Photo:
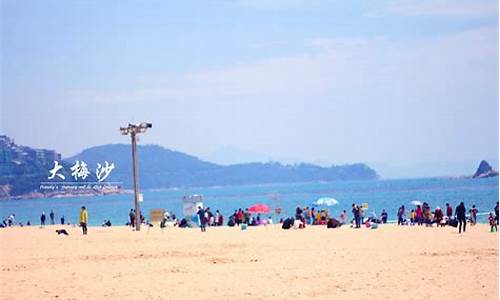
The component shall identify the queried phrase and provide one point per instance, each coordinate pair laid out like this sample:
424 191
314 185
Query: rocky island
485 170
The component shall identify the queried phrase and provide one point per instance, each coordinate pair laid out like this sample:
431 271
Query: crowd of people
421 215
240 217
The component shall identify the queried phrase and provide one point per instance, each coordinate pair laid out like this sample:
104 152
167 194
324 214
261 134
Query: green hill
163 168
22 169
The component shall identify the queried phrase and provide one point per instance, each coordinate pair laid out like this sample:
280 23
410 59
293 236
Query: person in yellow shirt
83 219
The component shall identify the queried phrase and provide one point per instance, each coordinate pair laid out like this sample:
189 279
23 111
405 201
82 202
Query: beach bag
453 222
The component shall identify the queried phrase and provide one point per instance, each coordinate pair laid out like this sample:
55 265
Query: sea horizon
380 194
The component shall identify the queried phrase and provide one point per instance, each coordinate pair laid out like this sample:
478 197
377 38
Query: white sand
260 263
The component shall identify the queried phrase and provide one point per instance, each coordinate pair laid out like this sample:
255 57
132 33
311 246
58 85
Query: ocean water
379 194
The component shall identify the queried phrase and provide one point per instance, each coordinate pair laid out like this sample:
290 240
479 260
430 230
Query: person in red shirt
419 215
239 217
449 210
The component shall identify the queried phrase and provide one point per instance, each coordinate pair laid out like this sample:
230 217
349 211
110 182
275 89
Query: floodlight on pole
133 130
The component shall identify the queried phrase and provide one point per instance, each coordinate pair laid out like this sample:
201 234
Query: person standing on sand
449 210
383 216
131 217
343 217
401 214
217 218
203 220
419 215
460 214
11 220
438 216
496 212
473 215
239 217
355 212
52 215
307 215
298 212
493 223
83 219
42 219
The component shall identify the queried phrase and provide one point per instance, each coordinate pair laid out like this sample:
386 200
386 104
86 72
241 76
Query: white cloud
452 8
418 98
335 67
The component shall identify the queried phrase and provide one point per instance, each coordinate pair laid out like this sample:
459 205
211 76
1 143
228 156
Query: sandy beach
260 263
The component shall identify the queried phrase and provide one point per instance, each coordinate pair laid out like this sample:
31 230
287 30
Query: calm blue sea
388 194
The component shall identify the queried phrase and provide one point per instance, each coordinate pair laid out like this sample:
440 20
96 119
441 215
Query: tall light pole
133 130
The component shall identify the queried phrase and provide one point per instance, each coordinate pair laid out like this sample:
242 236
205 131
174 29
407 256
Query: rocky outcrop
485 170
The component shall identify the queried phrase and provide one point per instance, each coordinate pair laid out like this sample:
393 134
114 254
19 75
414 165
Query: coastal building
10 152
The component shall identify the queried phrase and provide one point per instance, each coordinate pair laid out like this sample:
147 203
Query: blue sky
409 87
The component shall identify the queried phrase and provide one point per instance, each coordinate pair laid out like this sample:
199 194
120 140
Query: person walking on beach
62 220
52 215
203 220
83 219
42 219
460 214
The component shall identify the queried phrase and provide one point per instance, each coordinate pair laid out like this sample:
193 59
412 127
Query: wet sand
260 263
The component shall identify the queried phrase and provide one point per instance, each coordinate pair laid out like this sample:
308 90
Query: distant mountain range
162 168
22 169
